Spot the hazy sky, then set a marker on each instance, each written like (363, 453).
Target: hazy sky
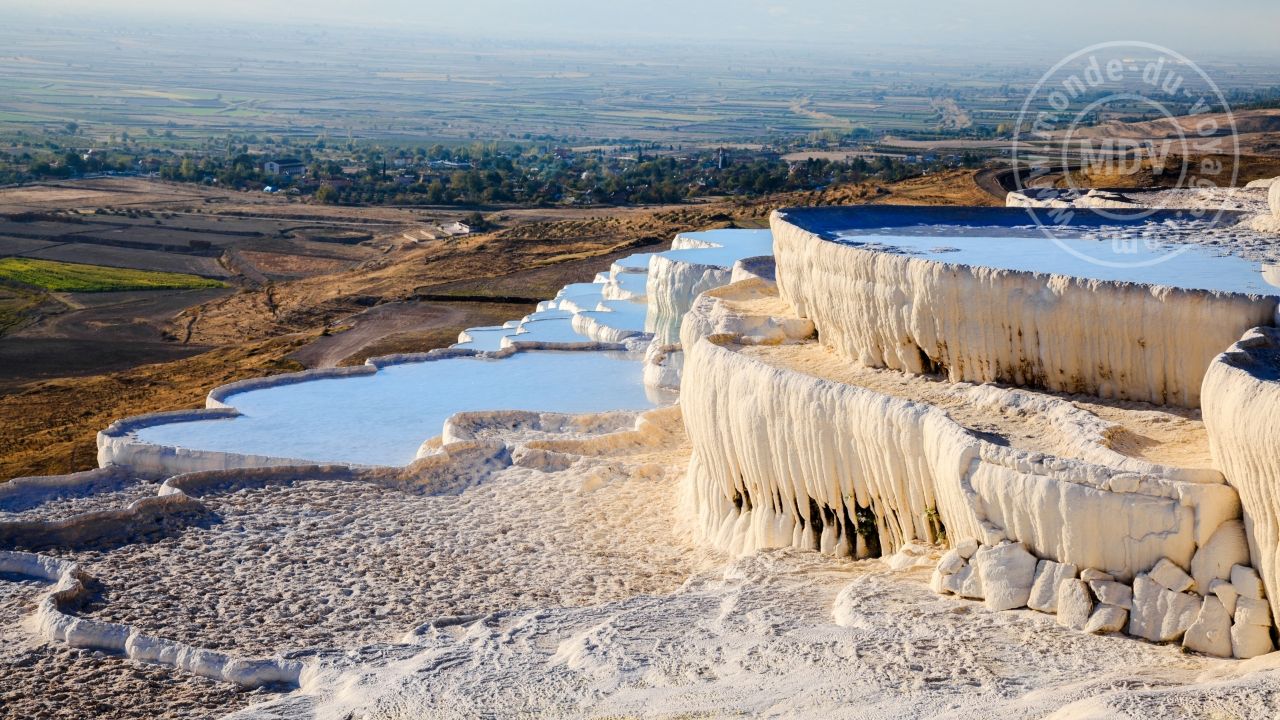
(1221, 27)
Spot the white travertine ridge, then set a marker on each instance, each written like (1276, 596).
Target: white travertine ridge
(677, 278)
(1242, 415)
(69, 589)
(672, 288)
(663, 361)
(1109, 339)
(1273, 197)
(782, 458)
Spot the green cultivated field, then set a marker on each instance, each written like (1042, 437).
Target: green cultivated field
(72, 277)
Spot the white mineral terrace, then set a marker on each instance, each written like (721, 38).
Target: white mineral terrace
(928, 466)
(1027, 311)
(383, 413)
(383, 418)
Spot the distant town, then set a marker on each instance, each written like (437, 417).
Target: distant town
(475, 174)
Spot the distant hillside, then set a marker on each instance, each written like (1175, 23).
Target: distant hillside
(1247, 122)
(1257, 131)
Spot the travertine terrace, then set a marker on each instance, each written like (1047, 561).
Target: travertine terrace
(793, 447)
(892, 484)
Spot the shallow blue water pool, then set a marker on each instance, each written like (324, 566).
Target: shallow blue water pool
(382, 419)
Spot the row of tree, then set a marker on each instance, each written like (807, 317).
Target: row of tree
(479, 173)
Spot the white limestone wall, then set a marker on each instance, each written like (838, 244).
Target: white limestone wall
(768, 442)
(662, 365)
(1242, 416)
(665, 357)
(786, 459)
(1109, 339)
(594, 324)
(672, 287)
(119, 445)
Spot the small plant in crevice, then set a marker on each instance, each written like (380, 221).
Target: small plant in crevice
(868, 530)
(937, 531)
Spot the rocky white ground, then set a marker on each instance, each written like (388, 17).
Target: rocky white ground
(786, 634)
(74, 503)
(325, 563)
(48, 680)
(1252, 239)
(576, 593)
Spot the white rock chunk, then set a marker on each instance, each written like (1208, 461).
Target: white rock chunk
(1225, 548)
(937, 582)
(1245, 580)
(1250, 641)
(1252, 611)
(1273, 198)
(1091, 575)
(1110, 592)
(972, 588)
(1007, 572)
(966, 583)
(1075, 604)
(1107, 619)
(951, 563)
(1159, 614)
(967, 548)
(1044, 589)
(1170, 576)
(908, 555)
(1226, 592)
(1211, 632)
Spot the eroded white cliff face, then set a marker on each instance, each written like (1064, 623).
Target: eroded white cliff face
(1242, 415)
(1108, 339)
(676, 279)
(782, 458)
(673, 285)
